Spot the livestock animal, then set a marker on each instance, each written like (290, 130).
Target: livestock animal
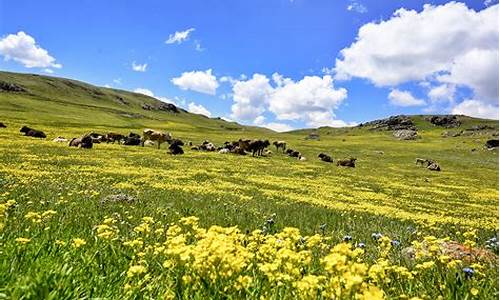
(293, 153)
(244, 144)
(156, 136)
(175, 147)
(238, 150)
(133, 139)
(490, 144)
(302, 158)
(350, 162)
(96, 137)
(326, 158)
(268, 152)
(280, 145)
(60, 139)
(258, 146)
(224, 151)
(2, 125)
(149, 143)
(207, 146)
(32, 132)
(83, 142)
(114, 137)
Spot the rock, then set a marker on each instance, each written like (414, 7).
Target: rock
(434, 167)
(121, 100)
(168, 107)
(448, 121)
(313, 136)
(118, 198)
(479, 128)
(490, 144)
(405, 134)
(400, 122)
(447, 133)
(10, 87)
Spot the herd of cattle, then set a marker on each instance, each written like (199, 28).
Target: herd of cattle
(150, 137)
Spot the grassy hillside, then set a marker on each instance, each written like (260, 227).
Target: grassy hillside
(60, 195)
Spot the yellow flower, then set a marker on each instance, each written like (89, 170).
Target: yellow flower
(474, 291)
(60, 243)
(78, 242)
(136, 270)
(22, 240)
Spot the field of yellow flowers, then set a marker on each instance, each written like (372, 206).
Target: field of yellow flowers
(122, 222)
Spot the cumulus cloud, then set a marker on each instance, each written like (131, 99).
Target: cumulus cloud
(475, 108)
(23, 49)
(198, 109)
(139, 67)
(250, 97)
(199, 81)
(179, 36)
(404, 98)
(312, 99)
(446, 44)
(442, 92)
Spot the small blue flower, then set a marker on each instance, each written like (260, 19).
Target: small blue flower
(347, 238)
(469, 272)
(376, 236)
(395, 243)
(361, 245)
(270, 221)
(322, 226)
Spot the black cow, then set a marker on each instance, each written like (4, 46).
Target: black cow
(32, 132)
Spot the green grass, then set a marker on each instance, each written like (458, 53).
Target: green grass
(385, 193)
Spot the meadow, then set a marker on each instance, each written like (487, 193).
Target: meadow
(208, 225)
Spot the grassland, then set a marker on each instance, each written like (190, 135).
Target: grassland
(60, 240)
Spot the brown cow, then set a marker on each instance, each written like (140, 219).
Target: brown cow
(83, 142)
(32, 132)
(280, 145)
(351, 162)
(257, 147)
(156, 136)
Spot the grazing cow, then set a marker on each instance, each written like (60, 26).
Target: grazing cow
(325, 158)
(207, 146)
(114, 137)
(351, 162)
(60, 139)
(244, 144)
(280, 145)
(32, 132)
(133, 139)
(293, 153)
(2, 125)
(224, 151)
(175, 147)
(156, 136)
(258, 146)
(83, 142)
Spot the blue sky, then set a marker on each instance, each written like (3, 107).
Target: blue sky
(412, 62)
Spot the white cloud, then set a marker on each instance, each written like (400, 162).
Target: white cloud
(117, 81)
(151, 94)
(475, 108)
(179, 36)
(49, 71)
(23, 49)
(448, 43)
(404, 98)
(312, 99)
(357, 7)
(198, 109)
(250, 97)
(139, 67)
(200, 81)
(279, 127)
(411, 45)
(442, 92)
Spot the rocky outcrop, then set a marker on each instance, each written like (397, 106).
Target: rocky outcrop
(400, 122)
(405, 134)
(10, 87)
(168, 107)
(448, 121)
